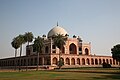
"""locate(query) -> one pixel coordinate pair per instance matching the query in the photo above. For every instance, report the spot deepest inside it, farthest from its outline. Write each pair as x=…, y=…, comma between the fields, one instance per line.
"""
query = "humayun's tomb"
x=75, y=53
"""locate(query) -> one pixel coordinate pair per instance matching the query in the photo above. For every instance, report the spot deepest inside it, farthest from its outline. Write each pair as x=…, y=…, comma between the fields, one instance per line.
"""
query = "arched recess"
x=103, y=60
x=67, y=61
x=87, y=61
x=96, y=61
x=78, y=61
x=92, y=61
x=107, y=61
x=100, y=61
x=86, y=51
x=72, y=61
x=111, y=61
x=46, y=49
x=114, y=61
x=83, y=61
x=72, y=49
x=55, y=60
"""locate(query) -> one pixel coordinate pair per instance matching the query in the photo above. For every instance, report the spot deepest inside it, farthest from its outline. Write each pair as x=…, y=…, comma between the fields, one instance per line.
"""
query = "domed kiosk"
x=57, y=30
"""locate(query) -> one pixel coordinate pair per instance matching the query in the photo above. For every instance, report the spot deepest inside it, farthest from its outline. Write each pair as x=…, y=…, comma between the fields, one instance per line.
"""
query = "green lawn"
x=84, y=74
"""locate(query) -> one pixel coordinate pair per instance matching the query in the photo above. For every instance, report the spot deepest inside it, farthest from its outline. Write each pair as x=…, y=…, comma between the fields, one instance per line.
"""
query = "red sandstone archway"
x=100, y=61
x=72, y=61
x=107, y=61
x=55, y=60
x=83, y=61
x=67, y=61
x=87, y=62
x=86, y=51
x=78, y=61
x=103, y=60
x=73, y=49
x=92, y=61
x=111, y=61
x=96, y=61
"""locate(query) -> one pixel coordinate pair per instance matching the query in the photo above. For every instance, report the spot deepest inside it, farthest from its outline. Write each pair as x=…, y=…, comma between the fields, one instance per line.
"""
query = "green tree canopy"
x=28, y=37
x=116, y=52
x=38, y=44
x=59, y=40
x=15, y=43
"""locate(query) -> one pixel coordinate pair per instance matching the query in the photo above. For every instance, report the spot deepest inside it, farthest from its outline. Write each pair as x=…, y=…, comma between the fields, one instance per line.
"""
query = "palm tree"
x=15, y=44
x=59, y=41
x=21, y=41
x=28, y=37
x=38, y=45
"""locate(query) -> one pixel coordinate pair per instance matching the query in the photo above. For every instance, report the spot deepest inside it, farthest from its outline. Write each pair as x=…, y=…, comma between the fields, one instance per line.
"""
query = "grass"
x=64, y=74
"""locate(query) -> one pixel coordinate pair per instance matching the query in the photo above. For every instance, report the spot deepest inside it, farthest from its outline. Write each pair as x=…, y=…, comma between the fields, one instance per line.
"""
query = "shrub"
x=106, y=65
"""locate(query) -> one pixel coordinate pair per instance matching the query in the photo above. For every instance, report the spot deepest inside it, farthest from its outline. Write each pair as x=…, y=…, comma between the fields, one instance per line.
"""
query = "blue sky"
x=95, y=21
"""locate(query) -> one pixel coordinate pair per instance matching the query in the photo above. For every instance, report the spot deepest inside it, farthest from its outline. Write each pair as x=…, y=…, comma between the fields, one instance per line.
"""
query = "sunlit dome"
x=57, y=30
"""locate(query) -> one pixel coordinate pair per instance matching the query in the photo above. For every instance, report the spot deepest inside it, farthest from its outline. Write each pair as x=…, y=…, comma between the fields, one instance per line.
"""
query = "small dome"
x=56, y=30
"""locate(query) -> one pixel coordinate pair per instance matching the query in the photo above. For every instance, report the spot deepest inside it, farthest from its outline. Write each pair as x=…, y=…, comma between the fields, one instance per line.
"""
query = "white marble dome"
x=57, y=30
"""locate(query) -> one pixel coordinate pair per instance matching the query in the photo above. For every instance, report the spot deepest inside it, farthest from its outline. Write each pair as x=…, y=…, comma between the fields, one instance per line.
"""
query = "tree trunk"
x=15, y=59
x=60, y=57
x=20, y=58
x=37, y=60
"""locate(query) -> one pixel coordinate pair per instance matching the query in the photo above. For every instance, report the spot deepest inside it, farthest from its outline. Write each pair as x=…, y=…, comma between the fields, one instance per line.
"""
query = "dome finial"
x=57, y=23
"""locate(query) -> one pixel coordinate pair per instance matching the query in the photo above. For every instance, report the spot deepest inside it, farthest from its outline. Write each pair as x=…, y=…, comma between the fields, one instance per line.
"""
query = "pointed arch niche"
x=72, y=49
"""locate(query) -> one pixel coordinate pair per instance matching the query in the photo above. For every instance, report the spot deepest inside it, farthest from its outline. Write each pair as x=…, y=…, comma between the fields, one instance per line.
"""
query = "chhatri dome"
x=57, y=30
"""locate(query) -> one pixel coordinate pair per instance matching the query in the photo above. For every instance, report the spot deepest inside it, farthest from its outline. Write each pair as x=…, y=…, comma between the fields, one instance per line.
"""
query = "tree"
x=15, y=44
x=28, y=37
x=21, y=41
x=59, y=41
x=116, y=52
x=38, y=45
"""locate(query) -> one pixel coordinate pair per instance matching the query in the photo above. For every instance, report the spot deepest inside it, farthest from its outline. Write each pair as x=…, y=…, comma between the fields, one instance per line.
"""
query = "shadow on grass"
x=111, y=77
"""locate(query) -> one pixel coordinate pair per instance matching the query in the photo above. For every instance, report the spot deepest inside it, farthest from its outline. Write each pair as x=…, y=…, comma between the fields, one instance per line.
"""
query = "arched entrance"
x=96, y=61
x=55, y=61
x=107, y=61
x=92, y=61
x=72, y=49
x=103, y=60
x=72, y=61
x=100, y=61
x=87, y=62
x=83, y=61
x=67, y=61
x=78, y=61
x=111, y=61
x=86, y=51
